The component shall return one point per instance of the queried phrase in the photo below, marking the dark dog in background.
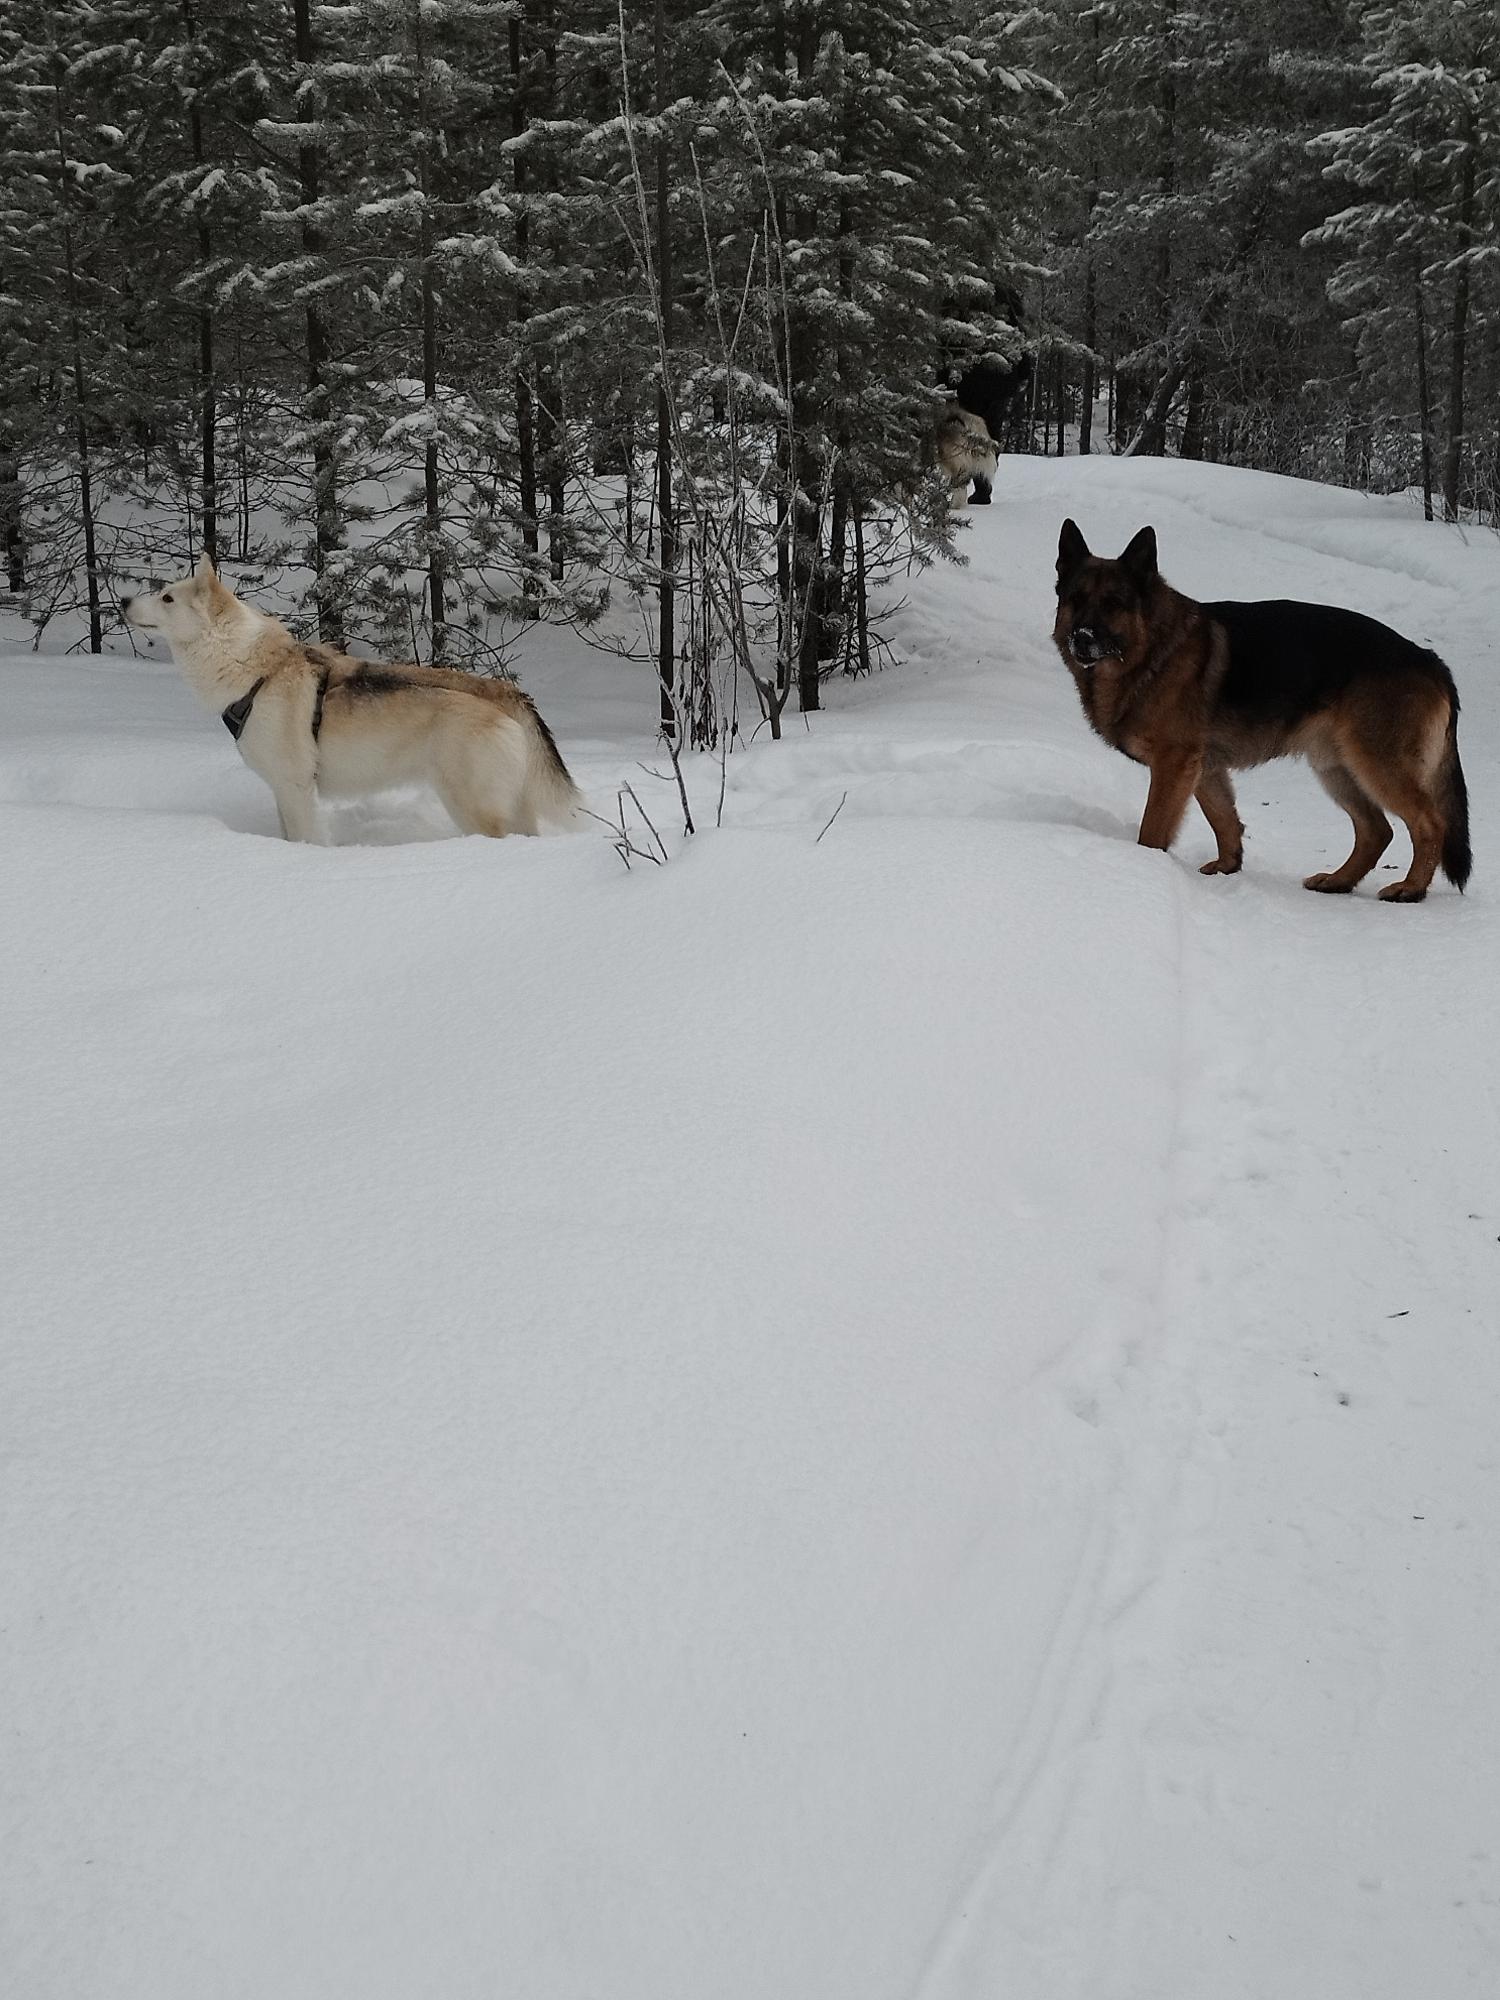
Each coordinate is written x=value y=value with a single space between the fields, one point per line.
x=1196 y=691
x=986 y=391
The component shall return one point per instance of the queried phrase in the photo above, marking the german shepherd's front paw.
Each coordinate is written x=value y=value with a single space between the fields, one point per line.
x=1328 y=885
x=1401 y=892
x=1223 y=867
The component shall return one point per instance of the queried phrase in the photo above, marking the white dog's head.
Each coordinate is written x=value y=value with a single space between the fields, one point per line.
x=183 y=611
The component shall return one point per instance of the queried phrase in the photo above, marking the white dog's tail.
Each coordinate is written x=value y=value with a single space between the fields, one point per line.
x=550 y=795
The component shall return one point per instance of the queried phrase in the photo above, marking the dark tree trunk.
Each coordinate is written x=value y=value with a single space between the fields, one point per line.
x=1150 y=440
x=325 y=468
x=1357 y=448
x=667 y=526
x=1167 y=172
x=861 y=594
x=1458 y=342
x=432 y=523
x=1062 y=407
x=550 y=440
x=242 y=442
x=80 y=378
x=207 y=387
x=525 y=417
x=1424 y=400
x=629 y=435
x=1192 y=423
x=786 y=610
x=832 y=624
x=810 y=578
x=11 y=514
x=1090 y=385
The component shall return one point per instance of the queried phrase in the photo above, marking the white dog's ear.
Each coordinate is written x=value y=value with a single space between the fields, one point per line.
x=205 y=570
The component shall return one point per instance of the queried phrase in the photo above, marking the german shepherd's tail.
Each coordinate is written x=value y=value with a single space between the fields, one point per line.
x=1453 y=795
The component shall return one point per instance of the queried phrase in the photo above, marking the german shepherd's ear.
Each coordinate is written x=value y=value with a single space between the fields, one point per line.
x=1140 y=558
x=1071 y=547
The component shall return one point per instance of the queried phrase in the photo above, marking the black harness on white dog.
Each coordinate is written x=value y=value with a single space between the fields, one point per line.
x=237 y=714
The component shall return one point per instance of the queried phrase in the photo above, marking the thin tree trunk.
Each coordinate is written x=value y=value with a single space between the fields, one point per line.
x=11 y=514
x=1458 y=343
x=1424 y=400
x=786 y=610
x=1062 y=407
x=242 y=440
x=1192 y=423
x=1090 y=386
x=525 y=418
x=667 y=526
x=861 y=598
x=835 y=593
x=325 y=468
x=807 y=583
x=1150 y=440
x=838 y=549
x=207 y=387
x=629 y=430
x=808 y=568
x=1167 y=166
x=80 y=375
x=437 y=594
x=550 y=415
x=555 y=455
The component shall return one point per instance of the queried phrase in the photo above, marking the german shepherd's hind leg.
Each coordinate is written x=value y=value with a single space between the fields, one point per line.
x=1174 y=778
x=1372 y=831
x=1402 y=791
x=1215 y=794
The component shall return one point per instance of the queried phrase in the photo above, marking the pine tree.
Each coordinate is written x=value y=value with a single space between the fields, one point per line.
x=1426 y=159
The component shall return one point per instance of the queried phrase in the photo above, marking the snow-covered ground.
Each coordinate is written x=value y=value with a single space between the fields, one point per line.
x=907 y=1416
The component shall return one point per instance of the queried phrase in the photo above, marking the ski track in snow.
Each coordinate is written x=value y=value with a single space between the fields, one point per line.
x=1045 y=1553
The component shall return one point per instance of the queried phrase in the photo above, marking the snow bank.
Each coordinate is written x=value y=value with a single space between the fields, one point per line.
x=907 y=1414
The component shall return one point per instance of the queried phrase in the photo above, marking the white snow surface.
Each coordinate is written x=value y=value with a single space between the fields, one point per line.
x=912 y=1415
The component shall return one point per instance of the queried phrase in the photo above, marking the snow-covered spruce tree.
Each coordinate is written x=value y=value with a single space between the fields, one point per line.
x=190 y=78
x=65 y=308
x=16 y=308
x=319 y=121
x=1174 y=191
x=544 y=217
x=429 y=344
x=410 y=56
x=1421 y=251
x=856 y=142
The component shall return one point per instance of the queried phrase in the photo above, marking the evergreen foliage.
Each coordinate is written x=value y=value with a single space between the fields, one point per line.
x=460 y=312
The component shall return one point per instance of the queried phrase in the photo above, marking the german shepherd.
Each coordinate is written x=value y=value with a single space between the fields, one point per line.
x=1196 y=691
x=315 y=722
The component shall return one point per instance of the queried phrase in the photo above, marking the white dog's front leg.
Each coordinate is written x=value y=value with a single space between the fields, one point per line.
x=297 y=809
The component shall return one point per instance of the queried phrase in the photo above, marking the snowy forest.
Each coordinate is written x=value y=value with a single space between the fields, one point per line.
x=868 y=1370
x=456 y=312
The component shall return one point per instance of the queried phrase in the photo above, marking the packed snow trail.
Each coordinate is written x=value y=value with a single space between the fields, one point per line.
x=907 y=1414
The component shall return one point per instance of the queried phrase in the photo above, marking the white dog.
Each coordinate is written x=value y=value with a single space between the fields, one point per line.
x=965 y=451
x=311 y=720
